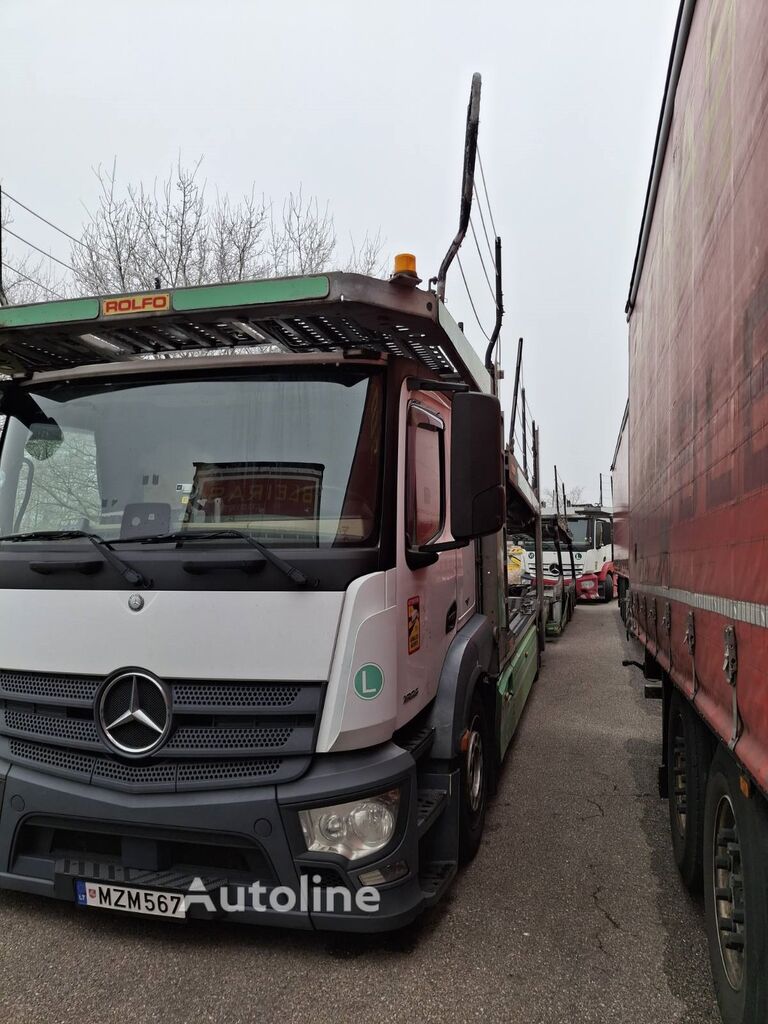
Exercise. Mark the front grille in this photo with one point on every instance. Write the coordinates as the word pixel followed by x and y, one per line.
pixel 553 569
pixel 57 689
pixel 222 734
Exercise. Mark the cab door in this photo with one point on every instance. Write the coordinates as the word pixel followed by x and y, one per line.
pixel 426 583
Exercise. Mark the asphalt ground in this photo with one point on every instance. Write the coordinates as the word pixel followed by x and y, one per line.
pixel 572 910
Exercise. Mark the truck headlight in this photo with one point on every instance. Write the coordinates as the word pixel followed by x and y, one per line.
pixel 355 829
pixel 587 585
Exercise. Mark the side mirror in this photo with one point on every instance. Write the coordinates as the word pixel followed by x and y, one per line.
pixel 44 439
pixel 478 494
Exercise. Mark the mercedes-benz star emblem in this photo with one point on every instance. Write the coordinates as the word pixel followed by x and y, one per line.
pixel 134 713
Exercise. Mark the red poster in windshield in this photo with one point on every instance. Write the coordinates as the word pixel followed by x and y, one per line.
pixel 224 491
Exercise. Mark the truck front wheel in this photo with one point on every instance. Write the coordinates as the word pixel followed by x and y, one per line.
pixel 475 764
pixel 608 588
pixel 736 892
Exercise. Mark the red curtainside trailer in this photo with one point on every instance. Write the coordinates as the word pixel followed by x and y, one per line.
pixel 697 460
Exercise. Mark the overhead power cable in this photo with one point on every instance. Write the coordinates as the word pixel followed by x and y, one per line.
pixel 485 230
pixel 485 189
pixel 482 261
pixel 98 253
pixel 32 280
pixel 50 223
pixel 469 296
pixel 42 252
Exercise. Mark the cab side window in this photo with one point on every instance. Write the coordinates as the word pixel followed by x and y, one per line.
pixel 425 477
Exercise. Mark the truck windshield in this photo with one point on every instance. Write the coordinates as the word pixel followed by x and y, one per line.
pixel 581 530
pixel 293 457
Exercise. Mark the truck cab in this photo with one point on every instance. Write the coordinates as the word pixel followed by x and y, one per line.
pixel 591 527
pixel 245 636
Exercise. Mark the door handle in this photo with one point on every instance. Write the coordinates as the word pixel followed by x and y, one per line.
pixel 450 619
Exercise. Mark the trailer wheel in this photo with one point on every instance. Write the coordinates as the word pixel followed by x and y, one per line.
pixel 608 591
pixel 475 765
pixel 687 763
pixel 736 893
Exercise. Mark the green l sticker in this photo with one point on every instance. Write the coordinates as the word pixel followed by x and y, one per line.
pixel 369 682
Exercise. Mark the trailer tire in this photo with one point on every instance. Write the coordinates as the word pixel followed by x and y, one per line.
pixel 475 765
pixel 608 589
pixel 736 893
pixel 687 761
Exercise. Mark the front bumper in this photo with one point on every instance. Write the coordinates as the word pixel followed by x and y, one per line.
pixel 589 587
pixel 54 830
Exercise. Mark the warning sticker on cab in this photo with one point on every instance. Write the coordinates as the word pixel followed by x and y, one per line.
pixel 414 625
pixel 126 305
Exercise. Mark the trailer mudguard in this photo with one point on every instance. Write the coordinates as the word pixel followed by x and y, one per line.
pixel 468 660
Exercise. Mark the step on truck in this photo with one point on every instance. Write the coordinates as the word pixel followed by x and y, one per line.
pixel 697 462
pixel 258 656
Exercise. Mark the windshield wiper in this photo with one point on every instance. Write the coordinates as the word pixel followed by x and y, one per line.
pixel 182 536
pixel 129 574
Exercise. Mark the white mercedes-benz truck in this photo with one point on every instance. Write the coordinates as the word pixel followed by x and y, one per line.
pixel 258 654
pixel 254 621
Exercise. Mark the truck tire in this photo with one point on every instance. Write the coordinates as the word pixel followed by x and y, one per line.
pixel 736 893
pixel 687 765
pixel 608 589
pixel 475 765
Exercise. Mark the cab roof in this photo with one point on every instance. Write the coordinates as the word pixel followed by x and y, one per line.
pixel 325 313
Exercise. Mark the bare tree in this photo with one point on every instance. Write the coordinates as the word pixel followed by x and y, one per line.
pixel 172 231
pixel 367 257
pixel 573 495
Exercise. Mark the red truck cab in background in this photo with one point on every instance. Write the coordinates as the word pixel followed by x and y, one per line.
pixel 592 529
pixel 620 492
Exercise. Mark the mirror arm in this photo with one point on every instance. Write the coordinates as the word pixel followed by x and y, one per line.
pixel 428 554
pixel 449 545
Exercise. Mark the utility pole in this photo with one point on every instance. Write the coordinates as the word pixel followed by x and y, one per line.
pixel 3 296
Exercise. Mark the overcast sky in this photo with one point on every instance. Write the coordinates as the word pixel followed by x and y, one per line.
pixel 363 104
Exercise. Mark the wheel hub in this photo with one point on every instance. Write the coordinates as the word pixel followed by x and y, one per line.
pixel 728 884
pixel 475 767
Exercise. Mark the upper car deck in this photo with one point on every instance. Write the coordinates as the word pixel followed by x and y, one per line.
pixel 324 313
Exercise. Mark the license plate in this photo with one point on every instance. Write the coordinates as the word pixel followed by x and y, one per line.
pixel 129 899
